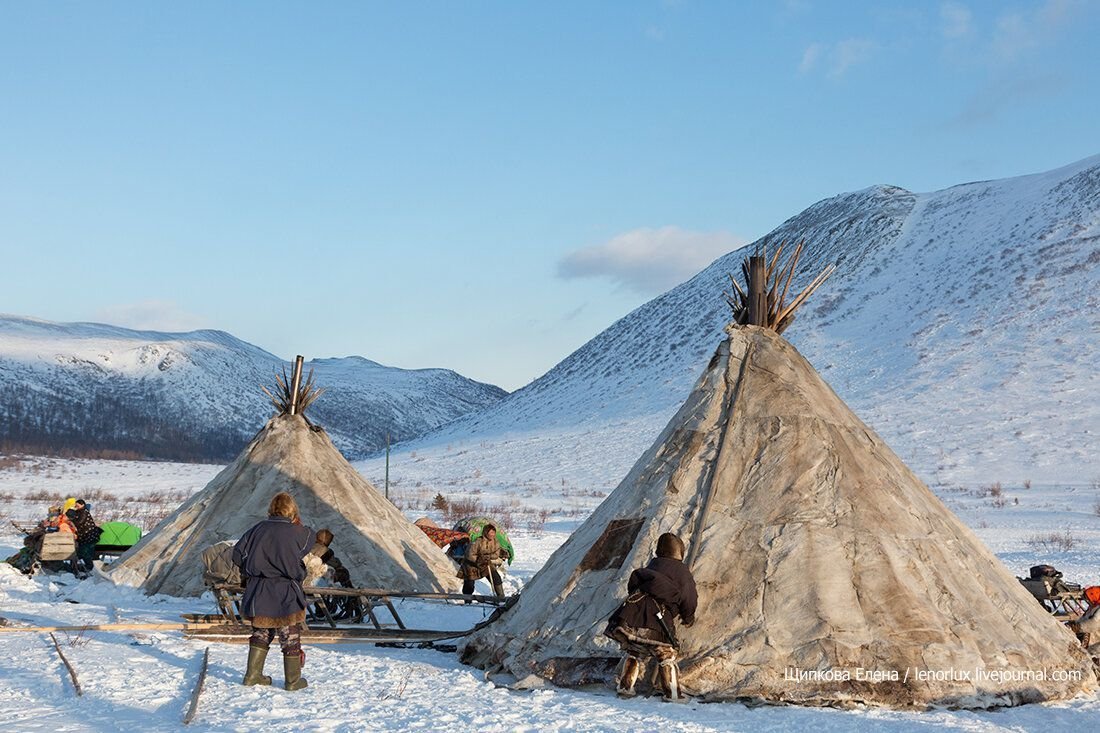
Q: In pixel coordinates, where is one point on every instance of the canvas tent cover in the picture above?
(814, 548)
(377, 544)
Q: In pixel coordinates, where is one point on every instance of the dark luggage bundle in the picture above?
(1038, 572)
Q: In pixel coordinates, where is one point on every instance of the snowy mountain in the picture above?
(89, 386)
(962, 325)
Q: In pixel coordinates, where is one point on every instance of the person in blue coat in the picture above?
(269, 556)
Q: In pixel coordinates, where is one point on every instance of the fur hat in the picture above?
(669, 545)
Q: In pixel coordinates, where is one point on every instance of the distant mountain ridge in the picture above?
(196, 395)
(962, 325)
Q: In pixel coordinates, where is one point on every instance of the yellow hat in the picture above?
(69, 504)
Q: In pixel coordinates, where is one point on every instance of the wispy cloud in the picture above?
(1018, 32)
(810, 57)
(647, 260)
(149, 315)
(836, 58)
(849, 53)
(955, 20)
(989, 102)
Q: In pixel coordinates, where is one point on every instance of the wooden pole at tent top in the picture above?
(296, 382)
(758, 291)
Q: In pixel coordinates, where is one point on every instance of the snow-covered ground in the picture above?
(141, 680)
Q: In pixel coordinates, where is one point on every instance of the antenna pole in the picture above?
(296, 382)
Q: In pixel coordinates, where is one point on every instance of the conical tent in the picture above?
(828, 573)
(377, 544)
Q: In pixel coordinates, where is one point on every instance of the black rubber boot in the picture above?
(254, 674)
(292, 672)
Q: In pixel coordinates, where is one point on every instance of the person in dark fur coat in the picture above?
(645, 624)
(87, 532)
(270, 557)
(342, 608)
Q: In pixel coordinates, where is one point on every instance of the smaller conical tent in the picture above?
(378, 545)
(828, 573)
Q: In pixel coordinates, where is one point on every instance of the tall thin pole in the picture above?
(295, 383)
(758, 296)
(387, 464)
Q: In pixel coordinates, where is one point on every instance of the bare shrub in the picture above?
(7, 496)
(398, 690)
(10, 462)
(1052, 542)
(462, 508)
(995, 490)
(99, 495)
(537, 523)
(1096, 508)
(1027, 483)
(45, 496)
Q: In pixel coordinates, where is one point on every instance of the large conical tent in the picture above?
(375, 541)
(824, 565)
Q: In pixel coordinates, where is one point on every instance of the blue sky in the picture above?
(483, 186)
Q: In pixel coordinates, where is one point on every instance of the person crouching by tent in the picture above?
(270, 556)
(482, 559)
(644, 625)
(322, 556)
(87, 532)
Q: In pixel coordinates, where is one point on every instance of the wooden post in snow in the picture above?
(295, 383)
(758, 293)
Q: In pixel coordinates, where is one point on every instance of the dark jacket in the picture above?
(270, 555)
(87, 533)
(664, 584)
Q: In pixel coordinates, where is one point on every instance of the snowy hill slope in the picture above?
(962, 325)
(196, 395)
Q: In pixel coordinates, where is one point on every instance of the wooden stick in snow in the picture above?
(193, 708)
(68, 666)
(96, 627)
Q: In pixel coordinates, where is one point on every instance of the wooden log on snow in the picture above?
(95, 627)
(193, 708)
(68, 666)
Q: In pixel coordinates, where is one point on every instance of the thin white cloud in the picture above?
(810, 57)
(955, 20)
(1016, 33)
(149, 315)
(647, 260)
(1002, 95)
(848, 53)
(837, 58)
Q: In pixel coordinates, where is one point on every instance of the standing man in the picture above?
(87, 533)
(645, 624)
(270, 558)
(482, 560)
